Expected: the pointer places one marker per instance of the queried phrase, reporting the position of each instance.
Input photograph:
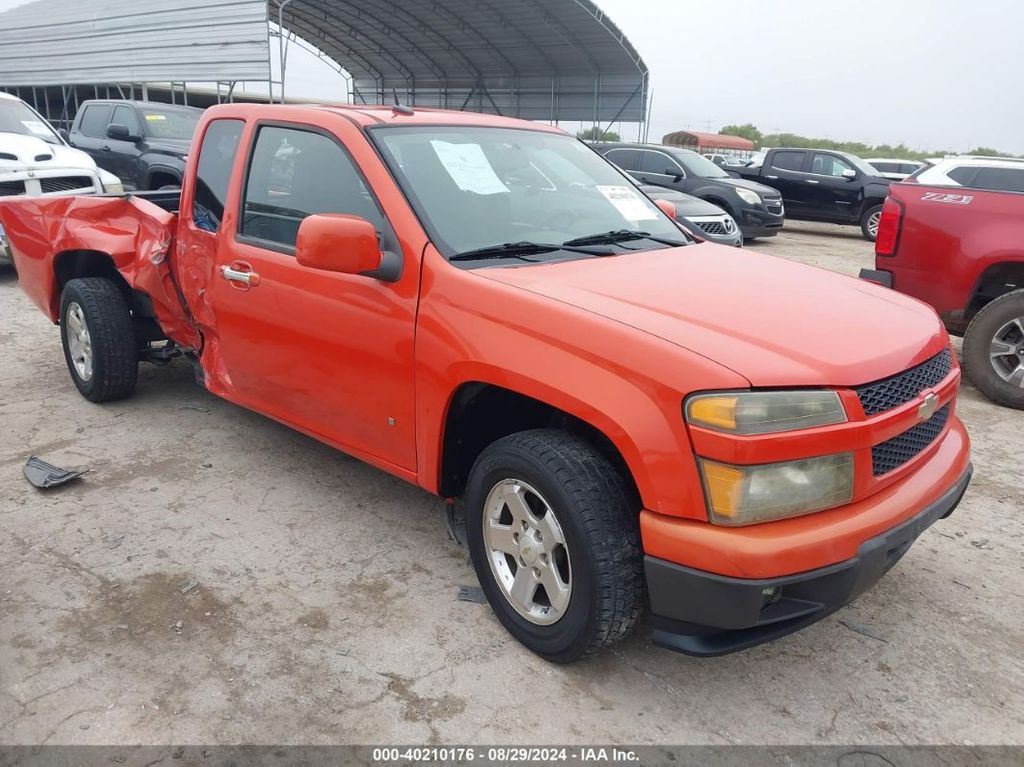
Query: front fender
(627, 384)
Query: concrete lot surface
(326, 611)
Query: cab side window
(829, 165)
(126, 116)
(294, 173)
(216, 158)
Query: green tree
(596, 134)
(747, 131)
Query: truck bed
(50, 238)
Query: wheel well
(720, 203)
(994, 282)
(869, 204)
(72, 264)
(481, 413)
(159, 178)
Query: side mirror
(120, 132)
(849, 174)
(347, 244)
(63, 133)
(666, 207)
(674, 173)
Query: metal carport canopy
(535, 59)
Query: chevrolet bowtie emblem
(928, 407)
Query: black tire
(977, 344)
(874, 210)
(598, 512)
(115, 352)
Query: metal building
(553, 60)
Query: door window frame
(834, 157)
(669, 158)
(386, 236)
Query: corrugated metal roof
(51, 42)
(537, 59)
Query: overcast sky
(934, 74)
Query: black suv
(757, 208)
(143, 143)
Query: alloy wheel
(1006, 352)
(527, 551)
(79, 341)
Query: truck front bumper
(702, 613)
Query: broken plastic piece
(43, 474)
(473, 594)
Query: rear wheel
(994, 350)
(99, 339)
(554, 538)
(869, 223)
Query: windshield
(170, 123)
(476, 188)
(17, 117)
(698, 165)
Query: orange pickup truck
(489, 309)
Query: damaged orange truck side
(487, 308)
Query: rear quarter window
(216, 158)
(792, 161)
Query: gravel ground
(326, 611)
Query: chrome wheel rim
(1006, 352)
(79, 342)
(527, 552)
(873, 221)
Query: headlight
(765, 412)
(753, 198)
(746, 495)
(111, 183)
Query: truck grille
(892, 392)
(11, 188)
(891, 454)
(65, 184)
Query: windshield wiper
(519, 250)
(622, 235)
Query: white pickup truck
(36, 161)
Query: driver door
(328, 353)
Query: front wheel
(99, 339)
(554, 538)
(994, 350)
(869, 223)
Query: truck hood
(775, 322)
(169, 146)
(26, 150)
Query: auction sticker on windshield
(469, 168)
(629, 203)
(36, 127)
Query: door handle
(812, 181)
(241, 276)
(105, 147)
(774, 178)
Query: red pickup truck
(489, 309)
(962, 251)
